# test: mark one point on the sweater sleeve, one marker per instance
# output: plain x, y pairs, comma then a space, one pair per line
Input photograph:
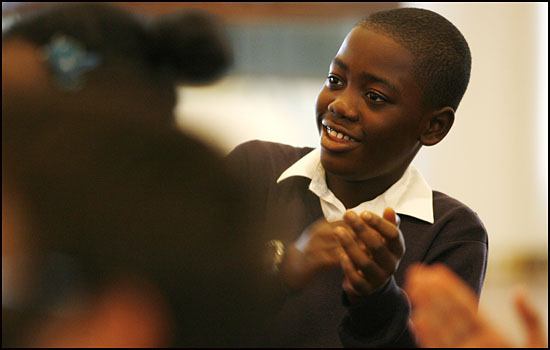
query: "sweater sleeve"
381, 321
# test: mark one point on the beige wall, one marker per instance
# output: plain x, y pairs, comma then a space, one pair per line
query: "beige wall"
494, 158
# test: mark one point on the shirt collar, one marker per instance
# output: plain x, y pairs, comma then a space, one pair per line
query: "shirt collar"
410, 195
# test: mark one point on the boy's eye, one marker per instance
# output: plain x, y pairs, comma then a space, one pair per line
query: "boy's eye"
332, 80
373, 96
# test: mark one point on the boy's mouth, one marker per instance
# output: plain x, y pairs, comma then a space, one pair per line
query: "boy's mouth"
336, 141
336, 133
338, 136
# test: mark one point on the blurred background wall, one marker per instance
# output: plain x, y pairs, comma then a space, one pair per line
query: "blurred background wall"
495, 159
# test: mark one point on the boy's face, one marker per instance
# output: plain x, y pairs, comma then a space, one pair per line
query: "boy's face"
369, 112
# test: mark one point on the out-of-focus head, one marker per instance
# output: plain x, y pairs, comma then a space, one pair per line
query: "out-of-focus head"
101, 58
122, 206
117, 206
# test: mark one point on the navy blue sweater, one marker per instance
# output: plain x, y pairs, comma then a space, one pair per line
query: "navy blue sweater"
319, 316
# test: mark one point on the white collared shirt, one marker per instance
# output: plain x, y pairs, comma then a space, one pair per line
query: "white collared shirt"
410, 195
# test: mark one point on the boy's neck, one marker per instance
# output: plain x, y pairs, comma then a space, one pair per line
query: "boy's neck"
353, 193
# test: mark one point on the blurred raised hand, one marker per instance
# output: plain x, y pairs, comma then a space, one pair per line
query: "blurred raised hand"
445, 312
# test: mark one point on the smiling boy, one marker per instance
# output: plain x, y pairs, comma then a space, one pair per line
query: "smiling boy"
393, 87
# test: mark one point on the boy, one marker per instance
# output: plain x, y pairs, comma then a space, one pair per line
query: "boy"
393, 87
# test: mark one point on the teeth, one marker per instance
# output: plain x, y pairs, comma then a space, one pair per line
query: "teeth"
339, 135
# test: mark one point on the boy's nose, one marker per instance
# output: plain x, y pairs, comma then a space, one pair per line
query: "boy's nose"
344, 107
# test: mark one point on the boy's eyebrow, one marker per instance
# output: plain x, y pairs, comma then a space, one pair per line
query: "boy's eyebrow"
340, 64
373, 78
366, 77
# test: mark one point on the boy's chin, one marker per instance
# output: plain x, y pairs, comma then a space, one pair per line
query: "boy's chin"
336, 166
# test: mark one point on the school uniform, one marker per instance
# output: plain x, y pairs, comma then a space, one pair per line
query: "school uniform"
291, 193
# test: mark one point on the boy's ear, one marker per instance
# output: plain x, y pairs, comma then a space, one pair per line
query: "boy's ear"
438, 125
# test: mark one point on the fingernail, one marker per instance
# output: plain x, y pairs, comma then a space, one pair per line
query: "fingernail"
350, 214
339, 231
343, 258
366, 215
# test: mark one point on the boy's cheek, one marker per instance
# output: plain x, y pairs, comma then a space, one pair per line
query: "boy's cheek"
324, 98
321, 108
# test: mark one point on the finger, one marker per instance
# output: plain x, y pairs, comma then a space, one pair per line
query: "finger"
427, 329
371, 271
350, 244
440, 296
342, 223
431, 310
319, 228
348, 287
451, 283
531, 321
359, 285
440, 309
335, 224
390, 215
438, 278
388, 230
373, 241
413, 283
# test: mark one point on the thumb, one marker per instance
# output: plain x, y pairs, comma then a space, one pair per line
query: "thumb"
391, 216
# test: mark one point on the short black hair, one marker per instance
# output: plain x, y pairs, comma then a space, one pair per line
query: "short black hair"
442, 56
